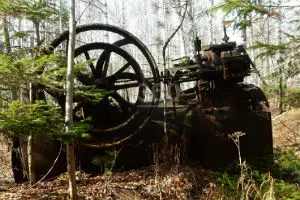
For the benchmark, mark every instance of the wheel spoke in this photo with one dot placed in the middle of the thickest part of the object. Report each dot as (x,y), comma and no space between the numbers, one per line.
(88,58)
(106,64)
(84,79)
(67,46)
(102,64)
(119,72)
(126,86)
(125,105)
(126,80)
(120,76)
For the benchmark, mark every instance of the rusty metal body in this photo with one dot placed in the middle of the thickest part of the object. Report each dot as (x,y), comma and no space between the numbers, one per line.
(218,103)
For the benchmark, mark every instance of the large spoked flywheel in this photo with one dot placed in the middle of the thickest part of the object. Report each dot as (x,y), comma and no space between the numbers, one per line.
(115,64)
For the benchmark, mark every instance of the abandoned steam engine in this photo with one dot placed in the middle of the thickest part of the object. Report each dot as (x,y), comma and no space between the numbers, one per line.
(200,101)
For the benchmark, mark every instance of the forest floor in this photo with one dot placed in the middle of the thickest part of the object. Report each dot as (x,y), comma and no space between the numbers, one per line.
(153,182)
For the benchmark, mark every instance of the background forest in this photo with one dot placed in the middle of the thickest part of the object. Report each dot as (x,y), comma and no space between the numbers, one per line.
(269,29)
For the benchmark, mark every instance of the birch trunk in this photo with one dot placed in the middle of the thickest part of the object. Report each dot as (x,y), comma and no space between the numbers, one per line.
(69,102)
(31,168)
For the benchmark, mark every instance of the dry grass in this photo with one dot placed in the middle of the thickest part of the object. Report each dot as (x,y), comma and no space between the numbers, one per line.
(247,187)
(190,182)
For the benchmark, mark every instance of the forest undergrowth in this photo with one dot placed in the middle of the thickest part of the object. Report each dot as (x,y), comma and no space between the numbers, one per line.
(180,181)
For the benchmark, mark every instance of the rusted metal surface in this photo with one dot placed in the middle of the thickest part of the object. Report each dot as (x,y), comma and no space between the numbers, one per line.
(215,104)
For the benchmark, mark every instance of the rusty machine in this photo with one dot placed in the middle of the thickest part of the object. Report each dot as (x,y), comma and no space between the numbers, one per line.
(206,99)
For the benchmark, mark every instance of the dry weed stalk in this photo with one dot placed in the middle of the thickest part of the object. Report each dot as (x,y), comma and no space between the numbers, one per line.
(246,183)
(269,182)
(166,158)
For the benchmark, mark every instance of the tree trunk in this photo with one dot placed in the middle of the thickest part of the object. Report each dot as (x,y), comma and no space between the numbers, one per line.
(37,32)
(31,168)
(211,23)
(7,45)
(6,35)
(282,82)
(69,103)
(30,142)
(32,97)
(281,93)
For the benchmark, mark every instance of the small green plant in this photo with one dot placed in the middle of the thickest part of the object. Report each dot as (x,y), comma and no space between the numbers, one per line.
(286,191)
(79,132)
(287,159)
(287,166)
(228,182)
(292,97)
(107,161)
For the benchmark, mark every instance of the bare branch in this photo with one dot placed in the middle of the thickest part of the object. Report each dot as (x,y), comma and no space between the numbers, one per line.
(173,34)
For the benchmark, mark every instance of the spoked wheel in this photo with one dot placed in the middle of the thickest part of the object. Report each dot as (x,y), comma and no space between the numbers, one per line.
(128,86)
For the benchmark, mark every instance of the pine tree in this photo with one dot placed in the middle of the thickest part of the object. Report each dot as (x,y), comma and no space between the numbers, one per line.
(22,60)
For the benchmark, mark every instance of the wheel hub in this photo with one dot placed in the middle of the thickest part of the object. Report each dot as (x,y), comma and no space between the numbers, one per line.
(103,83)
